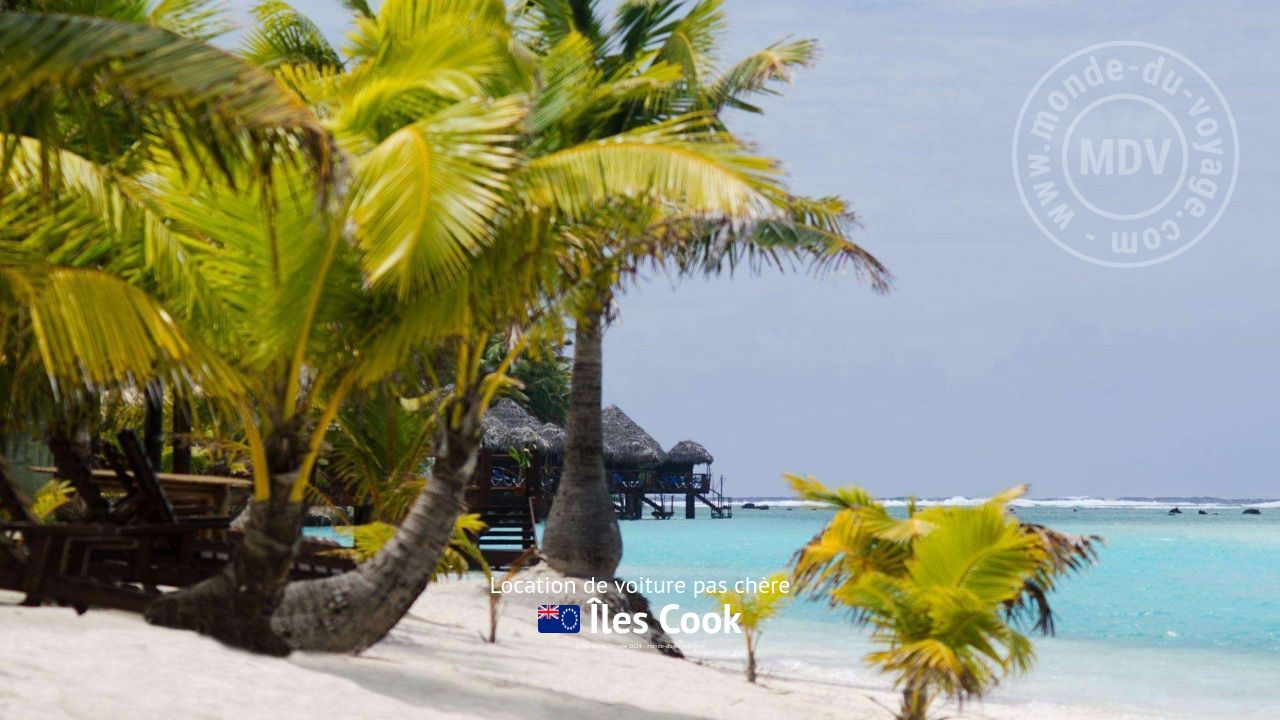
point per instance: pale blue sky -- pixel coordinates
(998, 358)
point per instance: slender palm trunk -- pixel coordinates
(751, 659)
(582, 537)
(235, 606)
(915, 704)
(351, 612)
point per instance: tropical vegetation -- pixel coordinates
(945, 589)
(753, 609)
(291, 234)
(656, 65)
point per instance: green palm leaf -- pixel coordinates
(425, 196)
(701, 171)
(284, 36)
(134, 75)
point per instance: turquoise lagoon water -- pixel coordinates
(1181, 618)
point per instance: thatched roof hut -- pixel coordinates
(508, 426)
(688, 452)
(626, 443)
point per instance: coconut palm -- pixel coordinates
(665, 54)
(403, 64)
(943, 589)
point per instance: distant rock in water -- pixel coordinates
(1201, 512)
(762, 507)
(1251, 511)
(748, 506)
(1175, 511)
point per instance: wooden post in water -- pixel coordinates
(690, 510)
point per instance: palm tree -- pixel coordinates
(668, 64)
(286, 314)
(942, 589)
(753, 609)
(404, 64)
(280, 273)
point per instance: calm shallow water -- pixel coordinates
(1182, 616)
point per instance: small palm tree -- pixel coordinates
(753, 609)
(941, 589)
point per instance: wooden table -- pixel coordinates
(221, 491)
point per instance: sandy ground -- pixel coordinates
(107, 665)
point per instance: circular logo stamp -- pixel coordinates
(1125, 154)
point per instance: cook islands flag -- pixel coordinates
(559, 618)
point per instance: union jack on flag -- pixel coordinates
(559, 618)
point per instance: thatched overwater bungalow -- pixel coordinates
(631, 460)
(507, 486)
(515, 449)
(677, 473)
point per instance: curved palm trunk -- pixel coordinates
(351, 612)
(235, 606)
(582, 537)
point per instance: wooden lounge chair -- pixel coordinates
(121, 561)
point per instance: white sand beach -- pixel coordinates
(106, 665)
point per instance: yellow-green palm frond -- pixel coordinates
(398, 25)
(699, 170)
(550, 21)
(425, 197)
(369, 540)
(849, 498)
(93, 329)
(754, 608)
(283, 36)
(757, 73)
(378, 450)
(95, 217)
(691, 41)
(641, 25)
(51, 496)
(980, 550)
(197, 19)
(126, 80)
(813, 233)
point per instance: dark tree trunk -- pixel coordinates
(153, 424)
(351, 612)
(582, 538)
(73, 459)
(235, 606)
(181, 433)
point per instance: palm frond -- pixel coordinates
(283, 36)
(757, 73)
(426, 196)
(701, 171)
(197, 19)
(94, 330)
(174, 90)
